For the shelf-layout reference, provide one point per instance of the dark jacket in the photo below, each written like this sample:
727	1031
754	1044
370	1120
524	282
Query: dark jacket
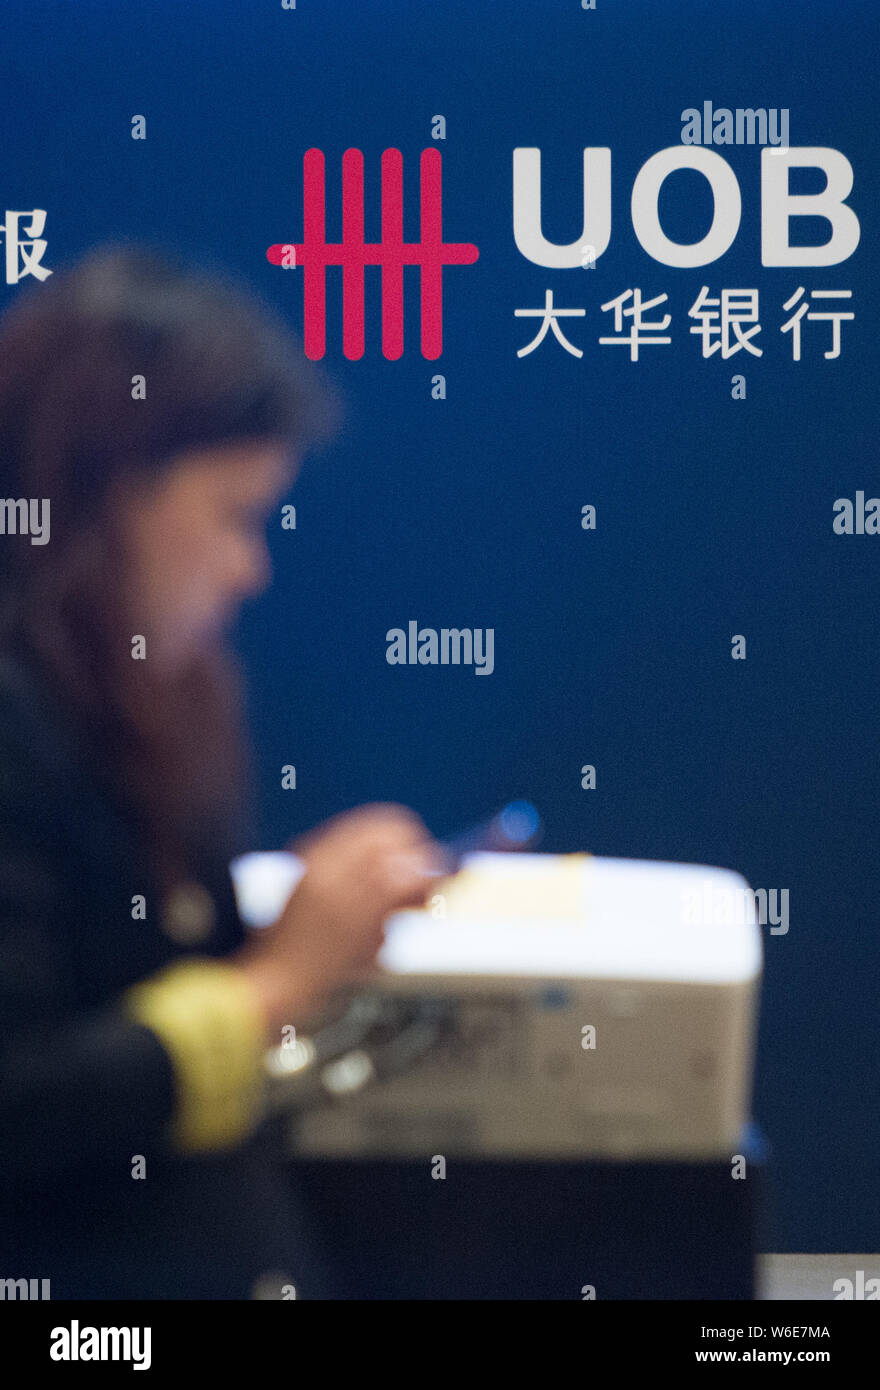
84	1090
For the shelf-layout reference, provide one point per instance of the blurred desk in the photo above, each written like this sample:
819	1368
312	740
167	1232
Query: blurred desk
536	1230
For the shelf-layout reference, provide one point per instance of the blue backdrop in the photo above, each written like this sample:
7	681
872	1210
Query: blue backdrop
714	515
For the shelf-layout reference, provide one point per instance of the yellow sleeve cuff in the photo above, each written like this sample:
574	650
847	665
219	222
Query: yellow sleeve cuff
204	1014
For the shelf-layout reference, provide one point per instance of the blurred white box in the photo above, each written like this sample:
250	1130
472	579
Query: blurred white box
597	1007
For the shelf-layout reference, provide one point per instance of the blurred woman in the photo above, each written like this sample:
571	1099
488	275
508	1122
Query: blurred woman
153	417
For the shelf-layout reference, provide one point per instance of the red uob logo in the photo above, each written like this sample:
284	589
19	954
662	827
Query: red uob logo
431	253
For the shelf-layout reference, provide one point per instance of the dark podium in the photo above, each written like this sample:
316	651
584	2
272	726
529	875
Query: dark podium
385	1229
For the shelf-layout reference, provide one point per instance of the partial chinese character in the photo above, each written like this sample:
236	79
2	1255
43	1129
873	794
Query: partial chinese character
549	316
635	311
723	318
16	245
794	323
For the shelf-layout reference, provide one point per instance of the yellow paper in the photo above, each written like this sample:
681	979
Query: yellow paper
551	885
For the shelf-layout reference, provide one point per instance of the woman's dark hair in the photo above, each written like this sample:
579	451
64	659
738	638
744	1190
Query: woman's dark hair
218	366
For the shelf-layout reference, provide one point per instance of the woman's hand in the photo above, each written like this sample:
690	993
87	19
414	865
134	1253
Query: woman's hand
361	866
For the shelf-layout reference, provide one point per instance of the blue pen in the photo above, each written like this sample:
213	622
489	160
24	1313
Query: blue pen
515	827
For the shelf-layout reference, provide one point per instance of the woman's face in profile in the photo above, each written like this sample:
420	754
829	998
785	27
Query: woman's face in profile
196	543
